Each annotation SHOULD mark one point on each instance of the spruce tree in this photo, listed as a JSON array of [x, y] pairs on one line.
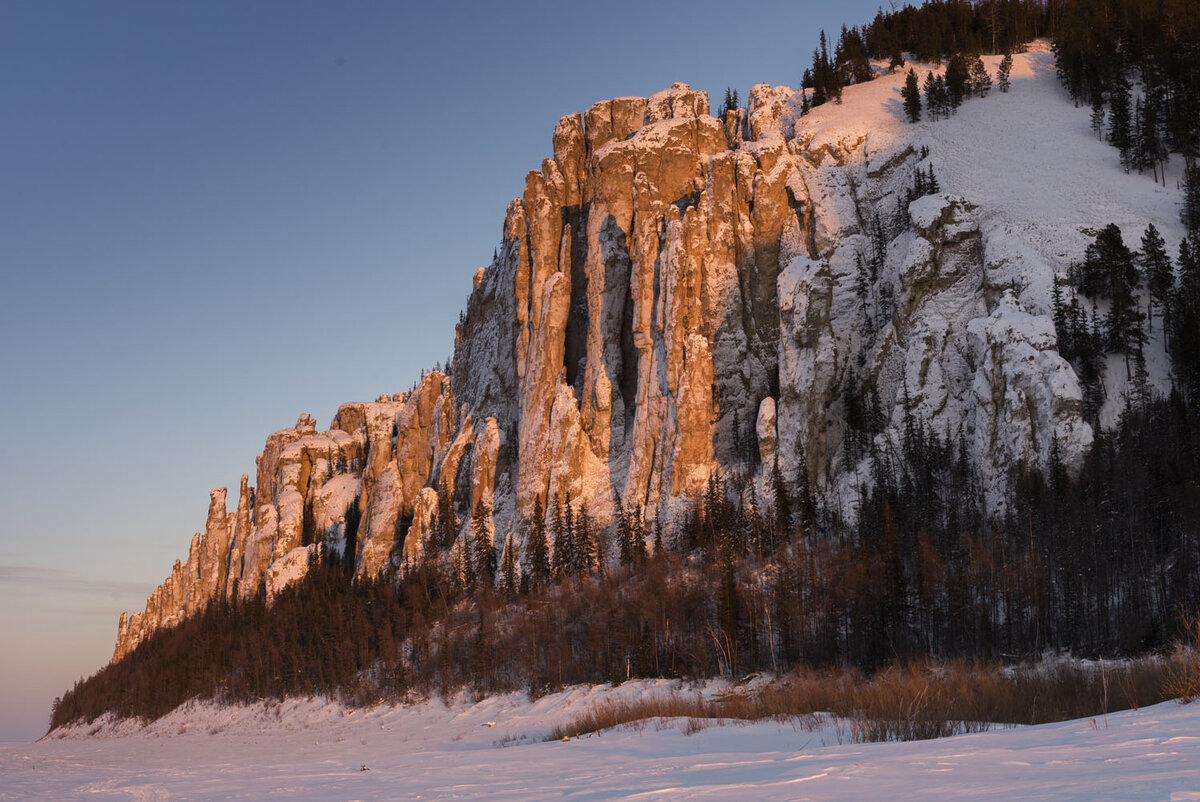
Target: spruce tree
[[637, 531], [931, 96], [782, 502], [1155, 266], [539, 557], [981, 81], [624, 538], [484, 549], [587, 552], [1191, 199], [1003, 73], [564, 554], [1120, 124], [912, 97], [1098, 115], [958, 78], [508, 570], [1151, 151]]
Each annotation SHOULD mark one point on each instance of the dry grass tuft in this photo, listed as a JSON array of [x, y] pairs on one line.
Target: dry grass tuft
[[1183, 673], [917, 700]]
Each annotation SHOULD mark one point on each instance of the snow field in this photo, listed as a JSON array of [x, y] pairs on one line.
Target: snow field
[[491, 749]]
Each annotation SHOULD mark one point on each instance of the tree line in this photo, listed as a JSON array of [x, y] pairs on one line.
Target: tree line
[[746, 579]]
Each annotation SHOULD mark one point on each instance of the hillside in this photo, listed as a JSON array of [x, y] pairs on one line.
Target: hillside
[[753, 349]]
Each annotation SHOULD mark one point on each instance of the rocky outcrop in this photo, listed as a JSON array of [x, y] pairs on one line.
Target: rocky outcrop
[[673, 296]]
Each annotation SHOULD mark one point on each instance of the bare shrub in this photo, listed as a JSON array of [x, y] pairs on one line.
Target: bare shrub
[[1183, 670], [913, 701]]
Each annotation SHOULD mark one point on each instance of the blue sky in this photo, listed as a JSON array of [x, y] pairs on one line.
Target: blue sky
[[217, 216]]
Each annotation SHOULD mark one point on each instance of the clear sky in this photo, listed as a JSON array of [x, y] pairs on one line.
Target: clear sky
[[215, 216]]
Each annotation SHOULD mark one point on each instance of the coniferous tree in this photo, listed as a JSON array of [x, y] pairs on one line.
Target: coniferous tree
[[1151, 149], [727, 105], [912, 97], [538, 549], [587, 551], [624, 538], [958, 79], [931, 96], [561, 526], [1004, 73], [1185, 318], [508, 567], [1098, 115], [781, 501], [1122, 280], [1120, 125], [637, 532], [1191, 199], [484, 550], [1155, 266], [981, 81]]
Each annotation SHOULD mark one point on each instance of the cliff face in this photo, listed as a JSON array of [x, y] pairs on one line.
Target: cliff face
[[674, 295]]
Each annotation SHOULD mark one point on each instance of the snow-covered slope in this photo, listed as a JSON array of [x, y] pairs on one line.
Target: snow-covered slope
[[676, 295], [309, 749]]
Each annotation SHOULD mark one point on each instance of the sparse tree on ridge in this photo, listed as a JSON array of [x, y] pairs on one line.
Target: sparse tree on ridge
[[1004, 73], [1120, 124], [981, 81], [1155, 266], [912, 97], [958, 79]]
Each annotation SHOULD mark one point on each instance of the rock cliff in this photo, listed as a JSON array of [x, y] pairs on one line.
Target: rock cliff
[[674, 295]]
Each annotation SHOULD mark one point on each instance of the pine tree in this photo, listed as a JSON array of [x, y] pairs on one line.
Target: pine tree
[[958, 79], [508, 570], [931, 96], [564, 553], [637, 533], [1112, 270], [587, 551], [484, 549], [1120, 125], [981, 81], [1098, 115], [1156, 270], [782, 502], [912, 97], [539, 557], [1191, 199], [1003, 73], [624, 538], [1151, 150]]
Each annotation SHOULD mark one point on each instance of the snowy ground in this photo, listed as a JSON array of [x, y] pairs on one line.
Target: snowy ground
[[304, 750]]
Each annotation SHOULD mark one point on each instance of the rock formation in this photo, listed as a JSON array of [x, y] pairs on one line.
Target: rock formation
[[674, 295]]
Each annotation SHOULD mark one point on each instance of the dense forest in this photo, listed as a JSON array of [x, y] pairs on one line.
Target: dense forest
[[1136, 61], [1102, 561], [1103, 564]]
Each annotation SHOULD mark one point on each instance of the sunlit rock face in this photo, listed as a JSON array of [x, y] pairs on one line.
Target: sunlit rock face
[[673, 296]]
